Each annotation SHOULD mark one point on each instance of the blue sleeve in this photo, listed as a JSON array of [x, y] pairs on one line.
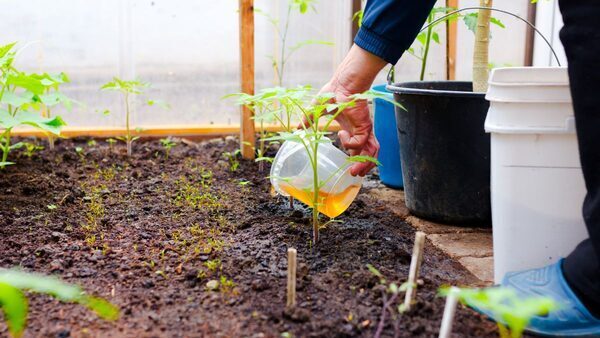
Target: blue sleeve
[[389, 27]]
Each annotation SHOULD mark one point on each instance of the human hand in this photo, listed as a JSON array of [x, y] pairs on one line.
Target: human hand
[[355, 75]]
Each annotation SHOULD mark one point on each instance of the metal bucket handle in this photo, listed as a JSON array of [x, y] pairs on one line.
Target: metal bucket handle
[[390, 76]]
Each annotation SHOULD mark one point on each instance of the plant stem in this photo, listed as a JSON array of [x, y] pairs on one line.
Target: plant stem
[[427, 44], [128, 136], [50, 137], [6, 147], [282, 60], [315, 194]]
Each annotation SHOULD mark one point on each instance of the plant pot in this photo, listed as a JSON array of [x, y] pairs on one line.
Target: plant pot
[[390, 170], [537, 182], [445, 151]]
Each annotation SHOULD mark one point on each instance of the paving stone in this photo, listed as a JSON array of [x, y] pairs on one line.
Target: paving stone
[[481, 267], [394, 199], [437, 228], [464, 244]]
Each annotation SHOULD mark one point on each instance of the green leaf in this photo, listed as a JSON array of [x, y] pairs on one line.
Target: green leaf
[[435, 37], [125, 86], [497, 22], [14, 307], [310, 42], [52, 125], [471, 21], [29, 82], [363, 159], [159, 103], [101, 307], [5, 49], [17, 100]]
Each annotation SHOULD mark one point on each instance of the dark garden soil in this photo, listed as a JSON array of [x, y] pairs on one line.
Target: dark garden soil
[[149, 233]]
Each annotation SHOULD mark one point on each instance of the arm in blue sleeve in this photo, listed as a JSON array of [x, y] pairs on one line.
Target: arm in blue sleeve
[[389, 27]]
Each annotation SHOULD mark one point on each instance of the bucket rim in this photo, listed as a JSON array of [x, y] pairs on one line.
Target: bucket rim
[[400, 88]]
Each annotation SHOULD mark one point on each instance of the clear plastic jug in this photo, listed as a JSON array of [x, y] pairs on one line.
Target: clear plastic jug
[[292, 174]]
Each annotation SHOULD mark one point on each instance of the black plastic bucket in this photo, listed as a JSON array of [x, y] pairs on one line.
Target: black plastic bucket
[[445, 151]]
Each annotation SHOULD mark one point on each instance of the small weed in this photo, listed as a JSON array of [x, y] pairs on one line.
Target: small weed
[[213, 265], [167, 144], [31, 149], [227, 286], [51, 207], [232, 159]]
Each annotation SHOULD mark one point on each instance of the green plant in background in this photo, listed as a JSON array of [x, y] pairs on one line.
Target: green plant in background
[[19, 94], [129, 88], [167, 144], [512, 312], [52, 96], [270, 105], [14, 304], [280, 60]]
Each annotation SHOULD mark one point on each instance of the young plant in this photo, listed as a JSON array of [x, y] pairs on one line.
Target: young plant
[[280, 60], [14, 304], [128, 89], [167, 144], [31, 148], [394, 291], [52, 96], [314, 109], [511, 311], [19, 94], [232, 159]]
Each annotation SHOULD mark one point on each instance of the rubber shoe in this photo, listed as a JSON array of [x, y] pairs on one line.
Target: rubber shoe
[[571, 319]]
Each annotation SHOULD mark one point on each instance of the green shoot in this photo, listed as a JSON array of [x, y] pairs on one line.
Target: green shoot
[[13, 302], [127, 89], [389, 294], [31, 148], [511, 311], [167, 144], [232, 159]]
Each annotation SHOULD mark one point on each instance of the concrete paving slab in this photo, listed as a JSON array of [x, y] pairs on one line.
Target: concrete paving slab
[[464, 244], [482, 268]]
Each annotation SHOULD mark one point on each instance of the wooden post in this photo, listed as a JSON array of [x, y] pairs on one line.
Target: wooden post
[[529, 38], [247, 132], [449, 311], [291, 278], [356, 6], [415, 266], [451, 32]]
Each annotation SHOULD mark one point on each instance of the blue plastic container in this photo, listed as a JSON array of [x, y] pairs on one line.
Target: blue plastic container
[[390, 170]]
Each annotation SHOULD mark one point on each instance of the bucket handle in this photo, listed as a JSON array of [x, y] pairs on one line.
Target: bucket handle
[[390, 76]]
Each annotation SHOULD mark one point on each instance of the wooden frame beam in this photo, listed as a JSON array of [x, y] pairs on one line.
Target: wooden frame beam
[[451, 34], [152, 131], [247, 131]]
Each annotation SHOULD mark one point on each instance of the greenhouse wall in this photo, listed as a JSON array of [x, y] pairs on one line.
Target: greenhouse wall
[[189, 51]]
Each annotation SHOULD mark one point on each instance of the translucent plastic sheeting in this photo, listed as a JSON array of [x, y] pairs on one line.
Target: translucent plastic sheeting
[[187, 49]]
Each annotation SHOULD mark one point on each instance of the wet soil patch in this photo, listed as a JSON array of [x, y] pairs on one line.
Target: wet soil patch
[[188, 247]]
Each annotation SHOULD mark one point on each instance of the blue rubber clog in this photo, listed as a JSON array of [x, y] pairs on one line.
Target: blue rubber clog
[[571, 319]]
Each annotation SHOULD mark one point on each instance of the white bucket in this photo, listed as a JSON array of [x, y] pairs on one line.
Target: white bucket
[[537, 186]]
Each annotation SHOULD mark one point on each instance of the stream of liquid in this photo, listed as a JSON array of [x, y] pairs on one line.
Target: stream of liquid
[[331, 205]]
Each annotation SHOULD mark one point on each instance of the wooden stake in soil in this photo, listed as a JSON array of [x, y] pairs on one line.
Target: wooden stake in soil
[[449, 311], [415, 266], [291, 278]]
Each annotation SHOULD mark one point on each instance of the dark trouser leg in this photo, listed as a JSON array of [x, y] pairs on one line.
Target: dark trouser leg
[[581, 38]]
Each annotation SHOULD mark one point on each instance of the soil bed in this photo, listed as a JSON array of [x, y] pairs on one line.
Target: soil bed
[[149, 233]]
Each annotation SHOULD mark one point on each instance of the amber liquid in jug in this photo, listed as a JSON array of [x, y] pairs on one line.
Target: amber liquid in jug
[[331, 205]]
